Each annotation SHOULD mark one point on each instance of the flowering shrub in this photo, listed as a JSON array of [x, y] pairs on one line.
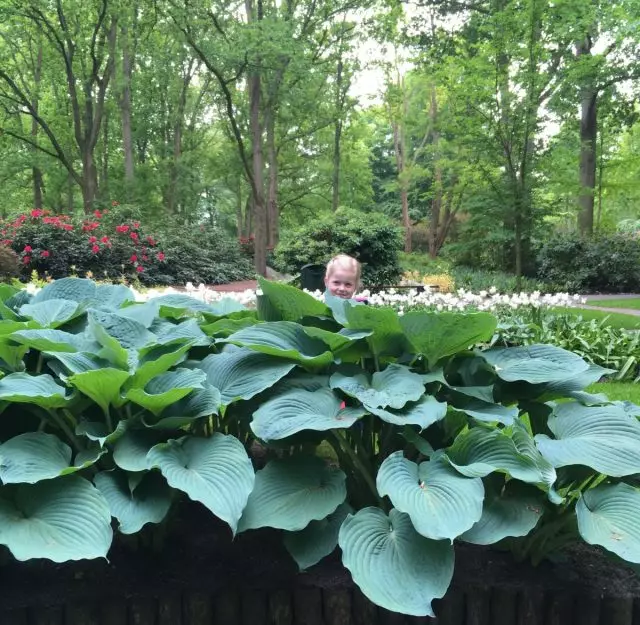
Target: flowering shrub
[[107, 246]]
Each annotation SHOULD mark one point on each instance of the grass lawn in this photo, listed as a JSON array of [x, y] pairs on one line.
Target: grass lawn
[[632, 302], [622, 391], [615, 320]]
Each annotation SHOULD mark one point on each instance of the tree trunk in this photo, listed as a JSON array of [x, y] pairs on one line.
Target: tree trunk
[[337, 136], [273, 216], [37, 173], [89, 181], [239, 210], [588, 147], [398, 144], [125, 108], [436, 204], [104, 177]]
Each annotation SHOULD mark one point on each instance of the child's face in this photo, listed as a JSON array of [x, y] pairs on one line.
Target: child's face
[[341, 282]]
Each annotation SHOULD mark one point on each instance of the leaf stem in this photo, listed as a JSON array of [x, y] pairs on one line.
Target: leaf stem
[[62, 424]]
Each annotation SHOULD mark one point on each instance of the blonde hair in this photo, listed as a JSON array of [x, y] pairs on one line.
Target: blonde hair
[[346, 262]]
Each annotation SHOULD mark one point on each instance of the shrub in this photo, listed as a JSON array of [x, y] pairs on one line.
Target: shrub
[[369, 237], [606, 263], [110, 247], [9, 263], [481, 280], [127, 407]]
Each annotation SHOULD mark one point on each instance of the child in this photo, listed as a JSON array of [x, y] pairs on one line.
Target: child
[[342, 277]]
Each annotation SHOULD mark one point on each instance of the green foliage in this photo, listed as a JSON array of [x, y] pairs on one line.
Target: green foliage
[[110, 246], [475, 280], [369, 237], [606, 263], [389, 436]]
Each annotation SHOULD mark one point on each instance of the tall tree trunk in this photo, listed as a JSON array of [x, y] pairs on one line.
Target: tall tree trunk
[[104, 177], [36, 172], [178, 126], [239, 210], [89, 181], [600, 178], [588, 148], [125, 108], [273, 216], [436, 204], [398, 144], [337, 136]]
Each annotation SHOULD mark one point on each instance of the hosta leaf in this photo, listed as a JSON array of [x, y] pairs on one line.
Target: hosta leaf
[[291, 303], [515, 513], [215, 471], [52, 313], [534, 363], [284, 339], [112, 296], [131, 334], [33, 389], [609, 516], [86, 458], [72, 289], [186, 332], [32, 457], [299, 410], [394, 566], [200, 403], [481, 409], [423, 413], [12, 354], [226, 306], [223, 328], [436, 335], [316, 541], [388, 337], [112, 350], [50, 340], [62, 519], [292, 492], [242, 373], [101, 385], [148, 503], [144, 313], [98, 431], [176, 305], [337, 341], [441, 502], [605, 438], [131, 449], [480, 451], [393, 387], [166, 389], [79, 362], [155, 361]]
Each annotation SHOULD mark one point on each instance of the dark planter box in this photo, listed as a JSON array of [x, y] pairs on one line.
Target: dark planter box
[[201, 577]]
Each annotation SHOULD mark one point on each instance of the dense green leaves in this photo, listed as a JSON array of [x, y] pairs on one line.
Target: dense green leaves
[[33, 457]]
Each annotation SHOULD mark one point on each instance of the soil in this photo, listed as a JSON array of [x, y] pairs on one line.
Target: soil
[[199, 554]]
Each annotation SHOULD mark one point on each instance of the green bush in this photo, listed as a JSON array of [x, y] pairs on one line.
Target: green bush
[[369, 237], [111, 245], [606, 263], [481, 280], [119, 409]]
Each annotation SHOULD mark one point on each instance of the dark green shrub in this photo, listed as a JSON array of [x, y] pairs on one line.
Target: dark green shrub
[[482, 280], [607, 263], [369, 237], [110, 245]]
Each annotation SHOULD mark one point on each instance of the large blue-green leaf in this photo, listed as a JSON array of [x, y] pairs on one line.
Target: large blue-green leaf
[[605, 438], [284, 339], [51, 340], [440, 334], [200, 403], [243, 373], [291, 303], [144, 313], [394, 566], [481, 451], [72, 289], [99, 432], [131, 449], [177, 305], [32, 457], [298, 410], [215, 471], [423, 413], [149, 502], [223, 328], [180, 333], [101, 385], [131, 334], [167, 389], [156, 360], [609, 516], [79, 362], [337, 341], [112, 296], [393, 387], [514, 513], [316, 541], [388, 337], [12, 354], [441, 502], [60, 520], [33, 389], [292, 492], [52, 313], [111, 349], [535, 364]]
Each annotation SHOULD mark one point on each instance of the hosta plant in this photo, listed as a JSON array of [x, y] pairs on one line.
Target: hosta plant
[[389, 437]]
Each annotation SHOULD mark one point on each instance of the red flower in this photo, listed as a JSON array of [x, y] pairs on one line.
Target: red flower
[[136, 224], [44, 254], [27, 249], [7, 242], [139, 268], [67, 227], [145, 258], [95, 249], [26, 260], [122, 228], [134, 258], [104, 239], [89, 226], [93, 239], [160, 256], [36, 212], [98, 214], [151, 241], [134, 236]]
